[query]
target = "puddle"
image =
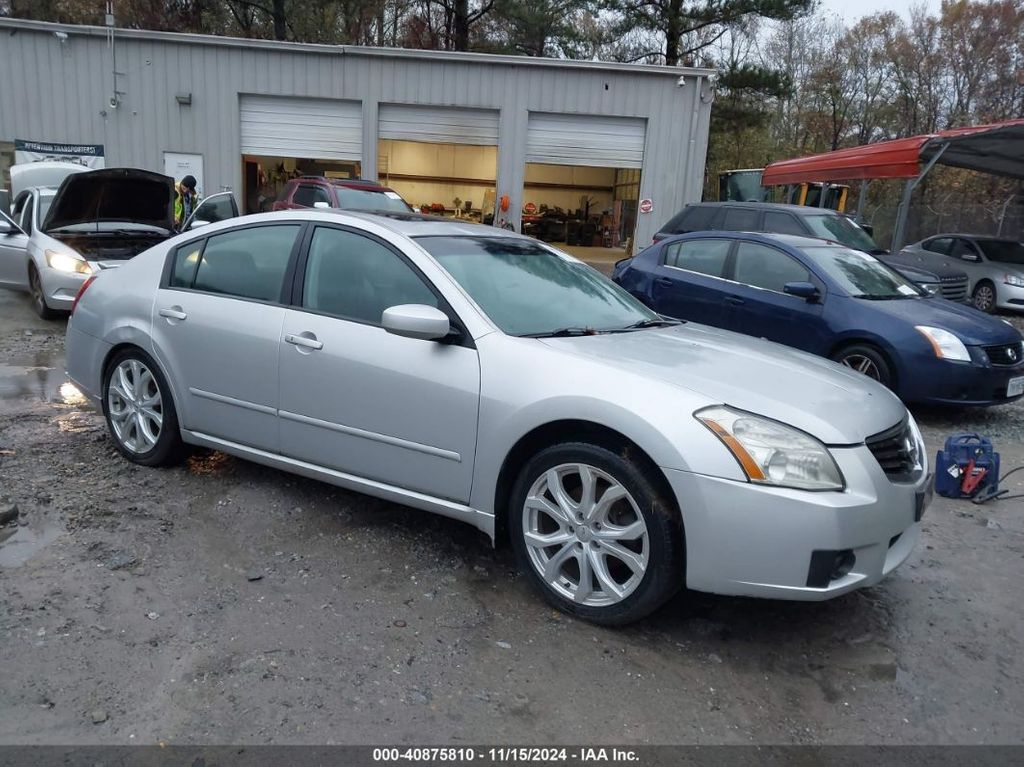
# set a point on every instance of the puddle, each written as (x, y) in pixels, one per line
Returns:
(26, 542)
(39, 378)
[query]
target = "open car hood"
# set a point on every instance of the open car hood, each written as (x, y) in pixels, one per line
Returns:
(31, 174)
(121, 195)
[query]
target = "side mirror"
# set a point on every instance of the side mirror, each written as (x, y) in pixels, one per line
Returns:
(416, 321)
(196, 223)
(6, 228)
(321, 205)
(804, 290)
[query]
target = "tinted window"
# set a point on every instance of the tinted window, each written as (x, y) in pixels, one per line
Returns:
(186, 259)
(26, 216)
(307, 194)
(842, 230)
(768, 268)
(527, 289)
(702, 256)
(741, 220)
(695, 219)
(962, 248)
(1004, 251)
(365, 199)
(248, 263)
(216, 208)
(782, 223)
(353, 276)
(939, 245)
(19, 206)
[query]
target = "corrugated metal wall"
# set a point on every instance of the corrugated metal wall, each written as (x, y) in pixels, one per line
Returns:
(59, 91)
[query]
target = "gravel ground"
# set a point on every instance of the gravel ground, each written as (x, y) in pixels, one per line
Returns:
(224, 602)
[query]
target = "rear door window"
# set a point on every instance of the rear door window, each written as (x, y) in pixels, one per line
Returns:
(308, 194)
(939, 245)
(701, 256)
(782, 223)
(742, 220)
(246, 263)
(696, 219)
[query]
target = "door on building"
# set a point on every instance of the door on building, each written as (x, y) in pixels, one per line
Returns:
(583, 180)
(284, 137)
(442, 160)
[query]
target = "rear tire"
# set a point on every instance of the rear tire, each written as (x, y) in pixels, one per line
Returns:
(35, 288)
(984, 297)
(868, 360)
(140, 412)
(595, 534)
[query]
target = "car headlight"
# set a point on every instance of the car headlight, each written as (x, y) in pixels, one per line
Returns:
(771, 453)
(1013, 279)
(932, 288)
(65, 262)
(946, 345)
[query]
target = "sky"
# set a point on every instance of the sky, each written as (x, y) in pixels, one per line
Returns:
(852, 10)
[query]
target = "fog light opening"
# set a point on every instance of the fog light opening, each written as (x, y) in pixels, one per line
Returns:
(842, 566)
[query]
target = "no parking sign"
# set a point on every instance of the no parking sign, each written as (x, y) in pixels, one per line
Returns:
(646, 205)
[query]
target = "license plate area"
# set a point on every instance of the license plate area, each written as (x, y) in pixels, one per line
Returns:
(923, 498)
(1015, 386)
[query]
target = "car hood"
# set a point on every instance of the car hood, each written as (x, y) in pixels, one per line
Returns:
(31, 174)
(906, 262)
(836, 405)
(974, 328)
(122, 195)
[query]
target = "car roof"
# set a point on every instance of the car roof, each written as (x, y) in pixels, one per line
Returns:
(983, 237)
(351, 183)
(407, 224)
(792, 240)
(802, 210)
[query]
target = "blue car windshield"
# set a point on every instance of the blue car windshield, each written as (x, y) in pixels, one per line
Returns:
(861, 275)
(529, 290)
(842, 230)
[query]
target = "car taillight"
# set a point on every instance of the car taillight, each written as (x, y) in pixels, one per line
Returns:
(81, 292)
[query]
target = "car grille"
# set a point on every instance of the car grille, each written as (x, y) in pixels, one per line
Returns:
(1006, 354)
(895, 450)
(953, 288)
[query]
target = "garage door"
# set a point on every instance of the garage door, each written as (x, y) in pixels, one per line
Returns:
(605, 142)
(281, 126)
(439, 125)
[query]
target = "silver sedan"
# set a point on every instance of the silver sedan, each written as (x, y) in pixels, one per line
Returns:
(475, 373)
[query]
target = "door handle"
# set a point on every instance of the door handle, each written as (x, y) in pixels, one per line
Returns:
(173, 313)
(734, 300)
(664, 282)
(304, 341)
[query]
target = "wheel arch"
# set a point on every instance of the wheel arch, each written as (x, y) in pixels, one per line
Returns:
(883, 348)
(568, 430)
(124, 345)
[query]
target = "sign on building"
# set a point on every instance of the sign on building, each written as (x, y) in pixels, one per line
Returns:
(86, 155)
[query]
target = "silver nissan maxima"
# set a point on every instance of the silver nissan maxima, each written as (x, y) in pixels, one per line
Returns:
(479, 374)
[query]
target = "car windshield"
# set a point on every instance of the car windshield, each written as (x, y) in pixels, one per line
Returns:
(842, 230)
(365, 199)
(1004, 251)
(529, 290)
(862, 275)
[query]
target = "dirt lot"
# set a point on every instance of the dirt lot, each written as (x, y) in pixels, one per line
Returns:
(224, 602)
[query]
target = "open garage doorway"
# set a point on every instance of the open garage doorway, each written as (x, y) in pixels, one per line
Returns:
(582, 182)
(285, 137)
(442, 160)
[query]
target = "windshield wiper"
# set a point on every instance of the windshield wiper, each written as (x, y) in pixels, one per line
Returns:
(660, 322)
(562, 333)
(872, 297)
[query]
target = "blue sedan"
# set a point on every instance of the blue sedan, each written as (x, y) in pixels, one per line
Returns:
(835, 302)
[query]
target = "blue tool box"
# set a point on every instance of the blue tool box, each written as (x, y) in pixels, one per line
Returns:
(965, 466)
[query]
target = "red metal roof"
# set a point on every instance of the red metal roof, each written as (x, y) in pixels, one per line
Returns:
(997, 148)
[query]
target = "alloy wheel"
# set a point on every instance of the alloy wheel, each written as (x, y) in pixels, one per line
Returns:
(585, 535)
(135, 406)
(984, 298)
(862, 364)
(35, 287)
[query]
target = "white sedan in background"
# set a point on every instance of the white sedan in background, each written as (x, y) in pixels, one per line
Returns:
(479, 374)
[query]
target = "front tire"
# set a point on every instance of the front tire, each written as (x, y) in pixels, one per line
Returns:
(595, 535)
(140, 411)
(35, 288)
(984, 297)
(867, 360)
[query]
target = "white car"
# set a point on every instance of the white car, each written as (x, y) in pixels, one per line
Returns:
(479, 374)
(95, 220)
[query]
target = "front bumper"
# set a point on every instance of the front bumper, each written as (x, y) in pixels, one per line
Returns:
(60, 288)
(1009, 297)
(929, 380)
(753, 540)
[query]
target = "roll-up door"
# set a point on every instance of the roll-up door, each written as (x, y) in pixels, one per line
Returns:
(605, 142)
(285, 126)
(438, 125)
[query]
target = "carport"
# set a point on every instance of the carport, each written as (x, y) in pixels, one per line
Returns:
(997, 149)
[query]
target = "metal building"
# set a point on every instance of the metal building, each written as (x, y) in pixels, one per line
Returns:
(455, 132)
